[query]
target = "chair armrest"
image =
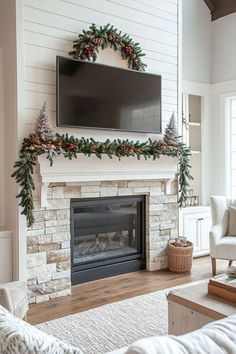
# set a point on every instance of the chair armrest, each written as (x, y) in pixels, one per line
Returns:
(215, 234)
(5, 299)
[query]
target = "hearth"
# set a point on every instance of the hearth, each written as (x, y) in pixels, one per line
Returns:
(107, 237)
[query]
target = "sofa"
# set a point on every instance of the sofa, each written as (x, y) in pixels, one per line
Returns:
(17, 337)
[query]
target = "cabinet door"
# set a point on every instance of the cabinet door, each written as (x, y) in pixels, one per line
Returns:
(205, 228)
(191, 229)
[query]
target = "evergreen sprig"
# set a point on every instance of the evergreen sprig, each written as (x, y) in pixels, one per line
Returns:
(70, 147)
(88, 43)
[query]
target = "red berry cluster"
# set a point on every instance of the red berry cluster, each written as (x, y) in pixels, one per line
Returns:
(97, 41)
(88, 51)
(114, 38)
(128, 49)
(69, 146)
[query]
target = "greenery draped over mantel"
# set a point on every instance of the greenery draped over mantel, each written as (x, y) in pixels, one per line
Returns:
(44, 142)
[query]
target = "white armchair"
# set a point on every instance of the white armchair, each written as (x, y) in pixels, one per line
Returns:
(221, 245)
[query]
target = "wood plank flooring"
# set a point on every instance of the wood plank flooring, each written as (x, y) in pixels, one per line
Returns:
(100, 292)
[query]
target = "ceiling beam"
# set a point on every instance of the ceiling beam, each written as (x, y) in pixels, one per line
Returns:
(210, 4)
(220, 8)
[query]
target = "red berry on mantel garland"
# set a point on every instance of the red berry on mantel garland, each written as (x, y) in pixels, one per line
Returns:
(69, 146)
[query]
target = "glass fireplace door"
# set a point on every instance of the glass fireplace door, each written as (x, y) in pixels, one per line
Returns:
(106, 230)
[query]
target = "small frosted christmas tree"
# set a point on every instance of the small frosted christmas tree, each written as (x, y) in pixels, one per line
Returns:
(42, 126)
(171, 133)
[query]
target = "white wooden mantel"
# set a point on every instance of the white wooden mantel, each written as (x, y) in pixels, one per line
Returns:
(84, 169)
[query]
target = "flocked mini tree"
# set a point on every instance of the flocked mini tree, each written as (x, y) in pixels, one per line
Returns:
(42, 126)
(171, 133)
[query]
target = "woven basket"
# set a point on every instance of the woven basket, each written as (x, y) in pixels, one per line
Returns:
(180, 258)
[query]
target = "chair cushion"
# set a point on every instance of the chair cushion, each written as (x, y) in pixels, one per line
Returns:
(226, 248)
(232, 221)
(18, 337)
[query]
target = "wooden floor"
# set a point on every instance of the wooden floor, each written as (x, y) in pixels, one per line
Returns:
(100, 292)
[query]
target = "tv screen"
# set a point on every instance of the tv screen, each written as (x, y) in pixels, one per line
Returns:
(91, 95)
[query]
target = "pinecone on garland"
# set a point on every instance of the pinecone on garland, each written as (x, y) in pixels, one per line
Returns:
(42, 126)
(124, 150)
(161, 146)
(171, 133)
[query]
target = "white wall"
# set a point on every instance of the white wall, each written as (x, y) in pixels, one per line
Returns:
(8, 116)
(223, 75)
(224, 49)
(51, 26)
(196, 40)
(2, 149)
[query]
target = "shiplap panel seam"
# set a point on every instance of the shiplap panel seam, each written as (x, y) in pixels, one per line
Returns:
(136, 9)
(89, 23)
(71, 41)
(174, 34)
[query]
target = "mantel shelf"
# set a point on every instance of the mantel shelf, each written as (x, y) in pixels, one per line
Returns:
(85, 169)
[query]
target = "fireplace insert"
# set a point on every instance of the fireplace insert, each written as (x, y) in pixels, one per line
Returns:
(107, 237)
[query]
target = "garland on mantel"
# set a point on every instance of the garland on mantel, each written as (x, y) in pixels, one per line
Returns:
(44, 141)
(87, 45)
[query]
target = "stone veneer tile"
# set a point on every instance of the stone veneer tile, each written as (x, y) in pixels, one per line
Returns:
(50, 223)
(109, 184)
(58, 192)
(155, 191)
(89, 189)
(50, 215)
(34, 272)
(125, 191)
(63, 214)
(90, 195)
(39, 216)
(61, 236)
(60, 275)
(32, 249)
(108, 191)
(58, 256)
(49, 247)
(45, 239)
(60, 293)
(141, 190)
(58, 203)
(44, 277)
(144, 183)
(32, 241)
(60, 267)
(72, 192)
(123, 184)
(42, 298)
(36, 259)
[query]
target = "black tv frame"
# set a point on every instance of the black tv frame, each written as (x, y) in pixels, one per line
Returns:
(103, 128)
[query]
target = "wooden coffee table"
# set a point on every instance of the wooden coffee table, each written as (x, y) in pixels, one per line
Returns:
(190, 308)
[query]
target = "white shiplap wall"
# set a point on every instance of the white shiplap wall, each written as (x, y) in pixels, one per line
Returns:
(51, 26)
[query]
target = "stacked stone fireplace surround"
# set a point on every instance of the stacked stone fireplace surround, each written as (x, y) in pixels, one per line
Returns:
(48, 241)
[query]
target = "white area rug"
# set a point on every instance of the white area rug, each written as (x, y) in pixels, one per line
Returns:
(116, 325)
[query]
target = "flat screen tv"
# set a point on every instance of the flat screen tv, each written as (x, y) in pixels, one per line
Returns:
(91, 95)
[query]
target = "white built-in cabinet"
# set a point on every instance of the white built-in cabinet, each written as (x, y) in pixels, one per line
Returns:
(195, 218)
(196, 226)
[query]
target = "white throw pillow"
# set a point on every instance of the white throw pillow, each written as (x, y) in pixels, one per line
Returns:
(18, 337)
(217, 337)
(232, 221)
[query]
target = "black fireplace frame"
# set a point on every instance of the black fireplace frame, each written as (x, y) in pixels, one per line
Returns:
(114, 265)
